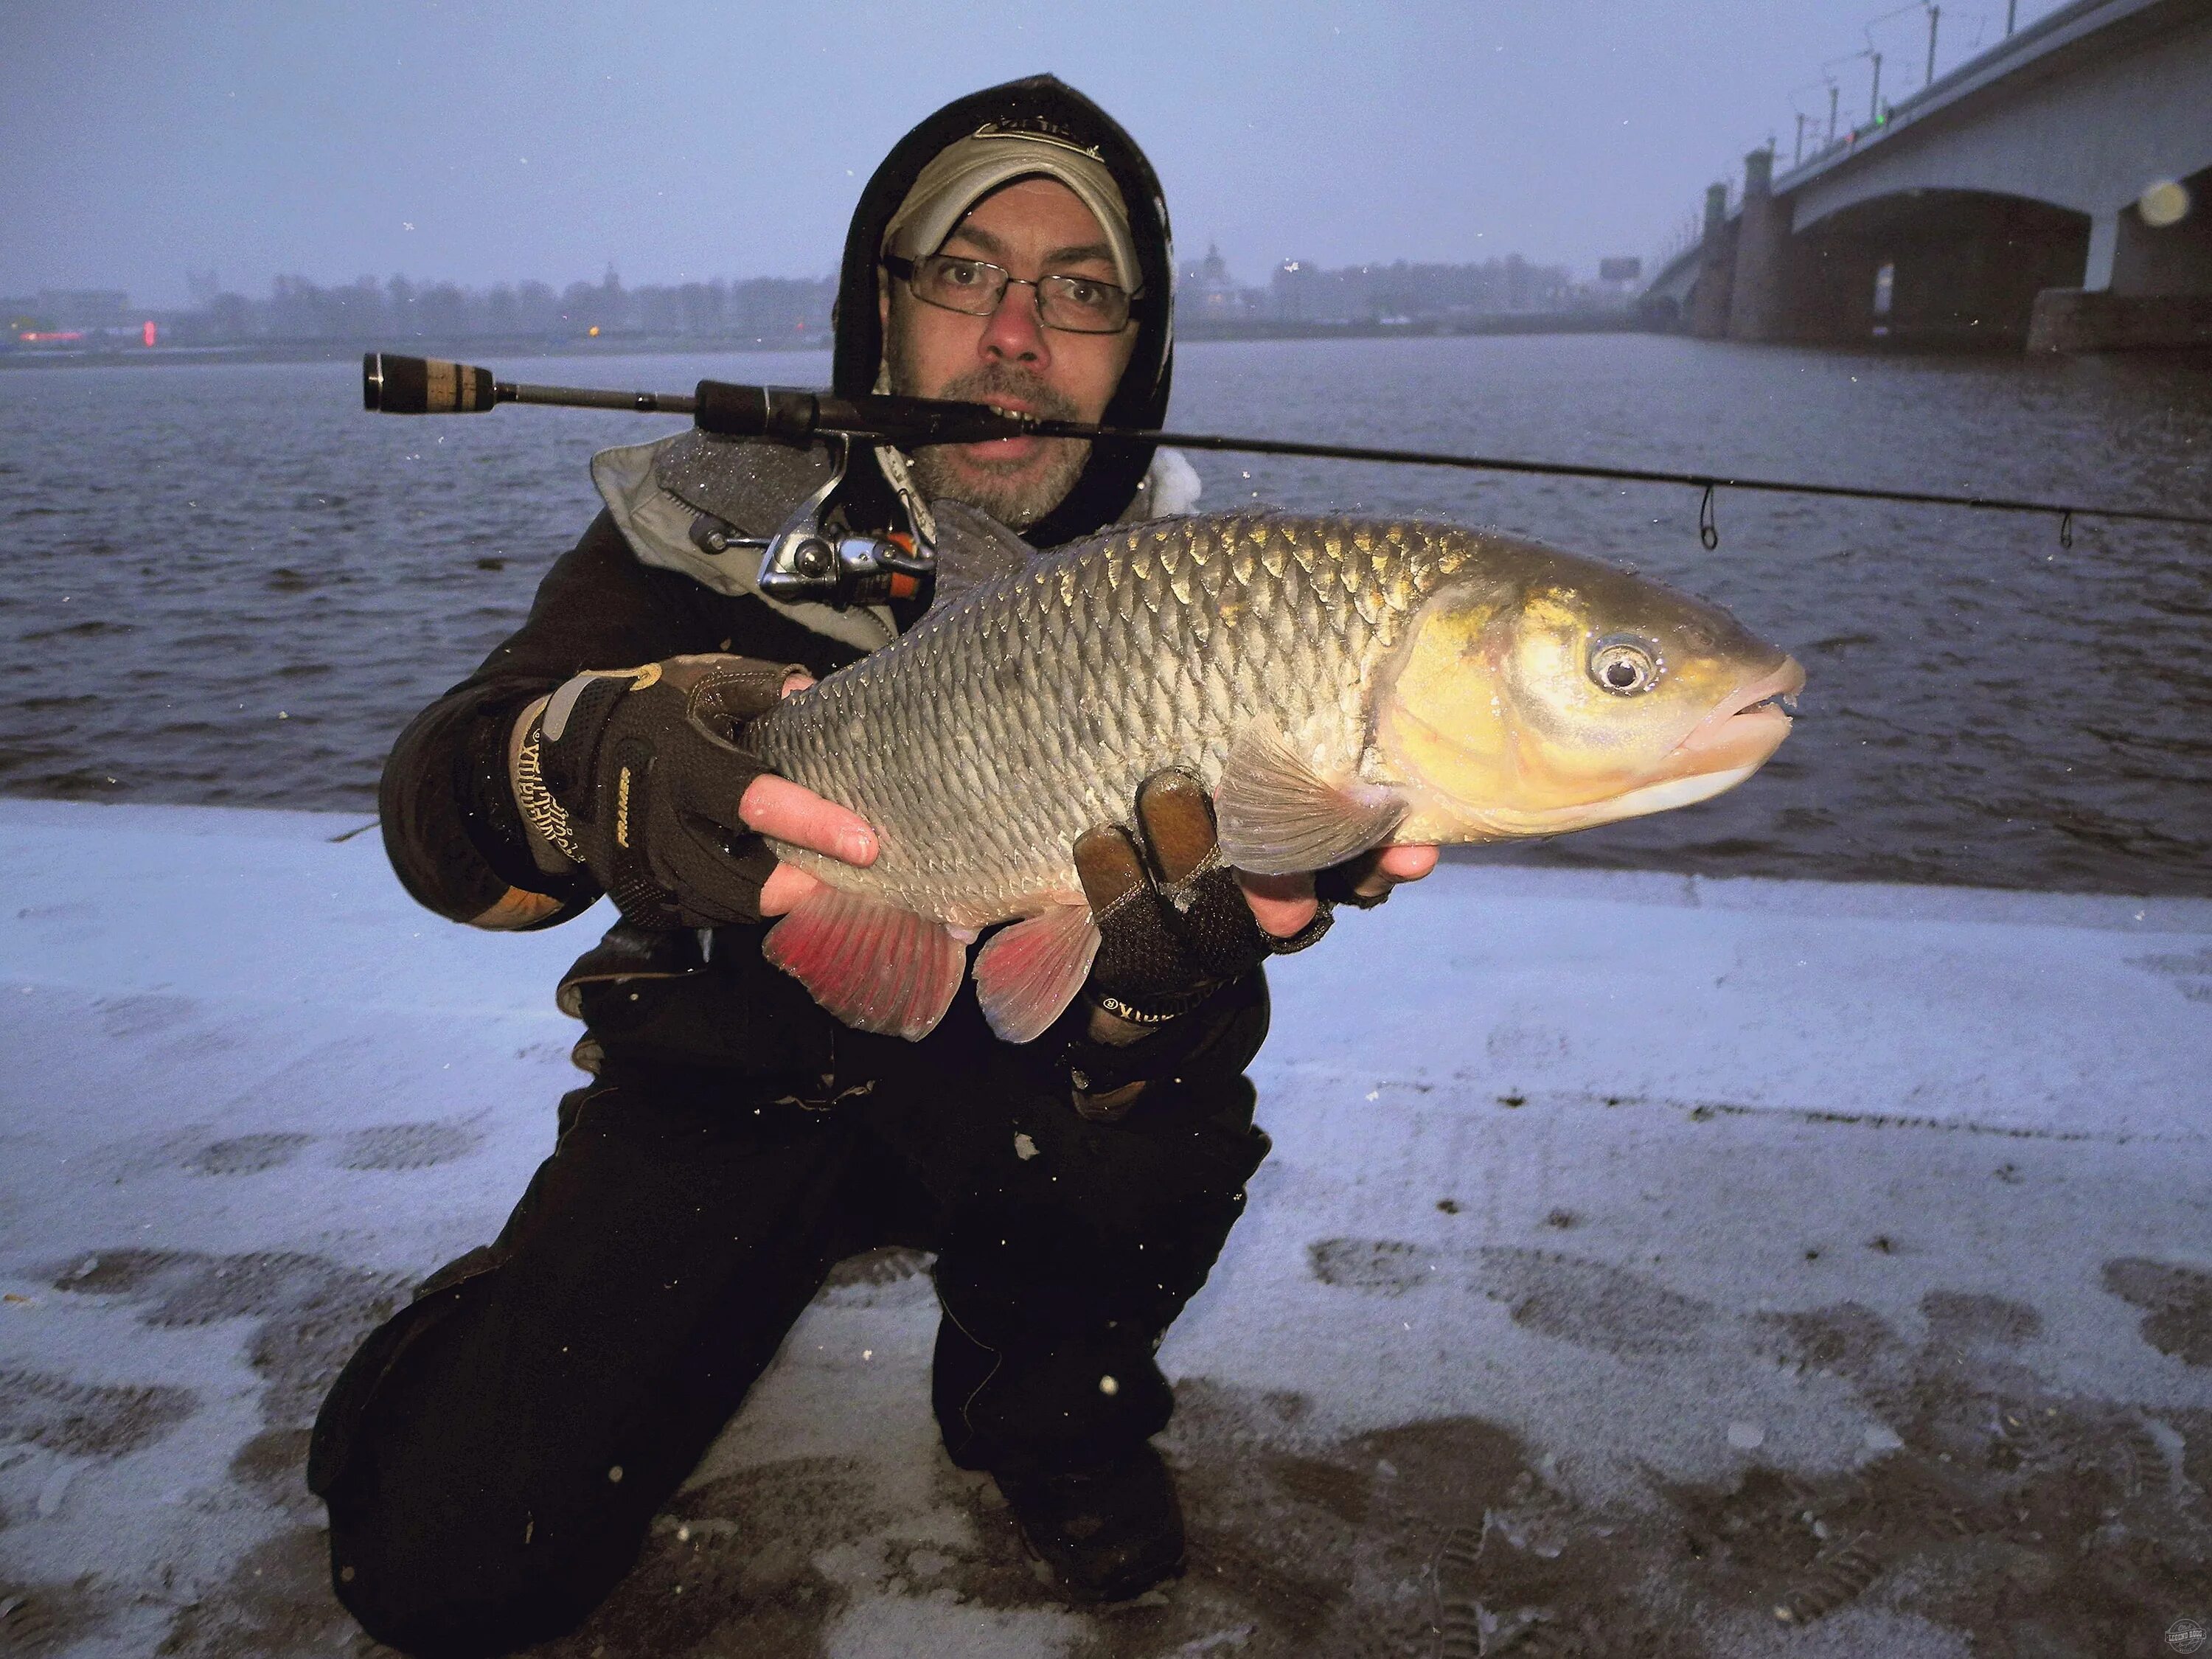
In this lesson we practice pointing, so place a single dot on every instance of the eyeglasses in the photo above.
(1074, 305)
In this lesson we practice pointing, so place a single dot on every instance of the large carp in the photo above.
(1338, 683)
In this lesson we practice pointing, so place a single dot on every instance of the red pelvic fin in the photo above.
(1027, 974)
(874, 966)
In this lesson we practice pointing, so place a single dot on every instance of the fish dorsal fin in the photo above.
(1028, 973)
(1279, 817)
(973, 548)
(874, 966)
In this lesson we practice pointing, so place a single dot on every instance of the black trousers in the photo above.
(494, 1454)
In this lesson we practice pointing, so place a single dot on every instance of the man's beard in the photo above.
(1021, 498)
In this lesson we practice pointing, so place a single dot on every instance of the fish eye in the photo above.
(1624, 666)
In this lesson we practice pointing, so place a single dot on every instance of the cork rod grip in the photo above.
(394, 384)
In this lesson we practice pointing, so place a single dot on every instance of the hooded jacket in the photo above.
(1103, 491)
(640, 587)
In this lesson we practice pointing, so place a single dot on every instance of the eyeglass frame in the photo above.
(907, 270)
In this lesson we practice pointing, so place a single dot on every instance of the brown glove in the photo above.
(637, 774)
(1174, 925)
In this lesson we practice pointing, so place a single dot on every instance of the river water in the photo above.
(226, 584)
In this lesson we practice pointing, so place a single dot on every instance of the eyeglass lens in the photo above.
(1078, 304)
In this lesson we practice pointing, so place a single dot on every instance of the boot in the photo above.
(1109, 1531)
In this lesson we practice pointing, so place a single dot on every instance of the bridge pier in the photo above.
(1757, 305)
(2147, 279)
(2104, 245)
(1713, 291)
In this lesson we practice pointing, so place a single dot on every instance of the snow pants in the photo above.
(494, 1454)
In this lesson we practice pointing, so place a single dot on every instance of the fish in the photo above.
(1338, 683)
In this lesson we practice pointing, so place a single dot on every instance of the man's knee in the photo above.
(430, 1585)
(446, 1537)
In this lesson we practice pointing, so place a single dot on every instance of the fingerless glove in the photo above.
(637, 775)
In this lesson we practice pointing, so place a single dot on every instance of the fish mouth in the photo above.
(1722, 750)
(1749, 725)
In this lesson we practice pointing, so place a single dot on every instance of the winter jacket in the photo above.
(642, 586)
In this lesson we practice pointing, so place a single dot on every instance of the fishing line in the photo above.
(2064, 512)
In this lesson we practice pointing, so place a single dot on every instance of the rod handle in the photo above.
(786, 413)
(394, 384)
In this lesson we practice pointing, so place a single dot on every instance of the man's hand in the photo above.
(1175, 923)
(1284, 904)
(642, 776)
(779, 808)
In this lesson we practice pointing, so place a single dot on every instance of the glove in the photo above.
(1174, 925)
(637, 774)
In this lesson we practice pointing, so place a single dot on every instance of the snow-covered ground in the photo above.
(1639, 1255)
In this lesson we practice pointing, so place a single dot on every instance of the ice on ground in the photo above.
(1645, 1265)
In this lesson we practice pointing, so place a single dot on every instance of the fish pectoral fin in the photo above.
(1279, 817)
(1028, 973)
(874, 966)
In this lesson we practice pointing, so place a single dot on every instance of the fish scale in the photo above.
(987, 739)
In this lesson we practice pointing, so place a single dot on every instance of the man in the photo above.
(494, 1454)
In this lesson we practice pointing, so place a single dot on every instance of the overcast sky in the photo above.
(681, 139)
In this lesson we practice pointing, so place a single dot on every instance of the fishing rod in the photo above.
(394, 384)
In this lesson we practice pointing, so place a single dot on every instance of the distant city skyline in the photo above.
(759, 310)
(202, 288)
(1209, 269)
(683, 140)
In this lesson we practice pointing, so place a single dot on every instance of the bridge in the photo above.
(2054, 191)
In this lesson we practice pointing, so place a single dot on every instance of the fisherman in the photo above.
(493, 1456)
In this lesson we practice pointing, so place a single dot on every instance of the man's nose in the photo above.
(1015, 332)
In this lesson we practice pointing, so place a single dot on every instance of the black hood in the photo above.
(1110, 480)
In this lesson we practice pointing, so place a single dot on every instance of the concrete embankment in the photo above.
(1639, 1255)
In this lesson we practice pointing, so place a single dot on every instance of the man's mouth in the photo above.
(1007, 451)
(1004, 452)
(1006, 455)
(1001, 453)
